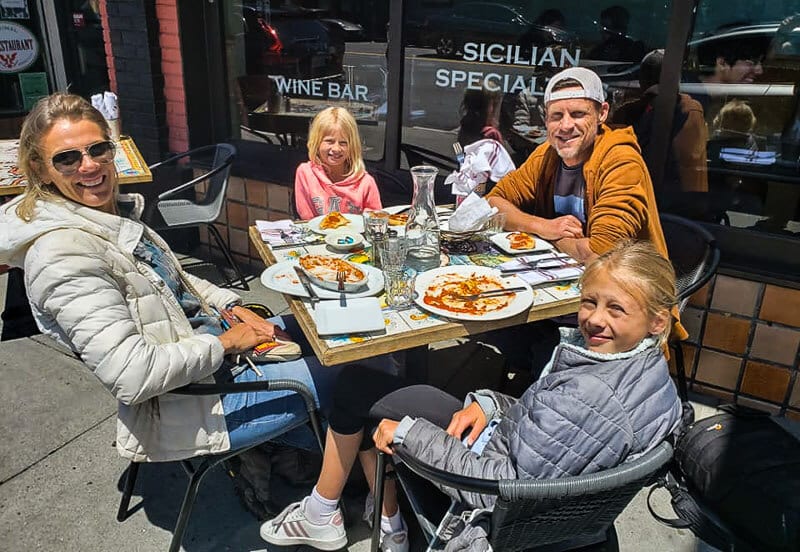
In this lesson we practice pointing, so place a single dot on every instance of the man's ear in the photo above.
(603, 113)
(659, 323)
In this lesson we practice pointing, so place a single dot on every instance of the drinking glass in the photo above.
(376, 226)
(495, 224)
(392, 251)
(399, 285)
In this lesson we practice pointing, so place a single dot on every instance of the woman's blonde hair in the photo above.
(39, 121)
(641, 271)
(330, 120)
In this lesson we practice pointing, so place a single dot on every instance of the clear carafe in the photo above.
(422, 227)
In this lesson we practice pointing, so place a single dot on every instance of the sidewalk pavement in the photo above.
(61, 477)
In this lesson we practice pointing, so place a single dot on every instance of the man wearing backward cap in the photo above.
(587, 187)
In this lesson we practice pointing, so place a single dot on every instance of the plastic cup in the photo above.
(399, 286)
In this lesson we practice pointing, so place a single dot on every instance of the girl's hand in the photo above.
(243, 337)
(384, 435)
(466, 418)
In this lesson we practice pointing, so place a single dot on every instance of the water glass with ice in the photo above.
(399, 286)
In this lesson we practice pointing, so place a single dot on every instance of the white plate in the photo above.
(281, 277)
(356, 225)
(360, 315)
(501, 240)
(522, 300)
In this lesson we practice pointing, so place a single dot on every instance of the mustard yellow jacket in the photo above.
(620, 202)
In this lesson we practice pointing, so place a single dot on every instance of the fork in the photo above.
(459, 151)
(340, 277)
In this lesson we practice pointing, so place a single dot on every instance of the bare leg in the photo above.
(340, 454)
(369, 459)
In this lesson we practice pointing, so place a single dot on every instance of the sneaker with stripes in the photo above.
(291, 527)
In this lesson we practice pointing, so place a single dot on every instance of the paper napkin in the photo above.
(483, 160)
(471, 215)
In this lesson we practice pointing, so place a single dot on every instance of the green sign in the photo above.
(33, 86)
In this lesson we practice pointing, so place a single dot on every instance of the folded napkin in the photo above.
(483, 160)
(277, 232)
(471, 215)
(110, 104)
(753, 157)
(547, 268)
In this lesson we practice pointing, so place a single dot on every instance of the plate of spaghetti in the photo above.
(336, 222)
(440, 291)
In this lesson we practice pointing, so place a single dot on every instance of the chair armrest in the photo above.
(515, 489)
(245, 387)
(182, 155)
(192, 182)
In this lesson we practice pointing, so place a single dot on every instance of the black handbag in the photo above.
(735, 483)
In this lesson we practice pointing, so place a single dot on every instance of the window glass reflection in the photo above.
(289, 60)
(742, 66)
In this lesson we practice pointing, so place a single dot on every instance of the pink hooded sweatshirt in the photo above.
(315, 194)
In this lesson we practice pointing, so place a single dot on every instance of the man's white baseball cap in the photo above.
(588, 79)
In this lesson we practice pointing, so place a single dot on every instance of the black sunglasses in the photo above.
(68, 162)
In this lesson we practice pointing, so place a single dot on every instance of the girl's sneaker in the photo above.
(390, 542)
(291, 527)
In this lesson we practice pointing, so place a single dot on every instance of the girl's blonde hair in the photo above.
(641, 272)
(39, 121)
(736, 116)
(328, 121)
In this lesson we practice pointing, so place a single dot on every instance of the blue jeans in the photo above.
(281, 416)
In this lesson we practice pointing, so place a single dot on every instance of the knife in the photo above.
(492, 293)
(535, 266)
(306, 282)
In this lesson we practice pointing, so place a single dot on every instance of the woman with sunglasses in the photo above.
(105, 285)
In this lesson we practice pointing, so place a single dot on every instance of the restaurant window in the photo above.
(742, 69)
(287, 61)
(475, 66)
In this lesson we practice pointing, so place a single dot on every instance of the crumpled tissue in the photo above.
(471, 215)
(106, 103)
(483, 160)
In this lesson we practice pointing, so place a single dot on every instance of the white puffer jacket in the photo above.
(89, 292)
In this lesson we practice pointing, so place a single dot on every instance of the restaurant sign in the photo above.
(18, 47)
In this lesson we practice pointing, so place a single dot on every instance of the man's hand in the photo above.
(384, 435)
(561, 227)
(466, 418)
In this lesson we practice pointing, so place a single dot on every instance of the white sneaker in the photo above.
(291, 528)
(390, 542)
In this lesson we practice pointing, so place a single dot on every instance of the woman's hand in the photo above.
(466, 418)
(243, 337)
(384, 435)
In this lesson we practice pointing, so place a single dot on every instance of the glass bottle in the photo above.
(422, 227)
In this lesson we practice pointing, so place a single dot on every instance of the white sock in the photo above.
(392, 524)
(318, 509)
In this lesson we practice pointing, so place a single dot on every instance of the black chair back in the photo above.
(693, 252)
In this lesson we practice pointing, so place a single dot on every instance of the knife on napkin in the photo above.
(306, 282)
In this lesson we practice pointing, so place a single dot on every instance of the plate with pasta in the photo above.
(336, 222)
(441, 292)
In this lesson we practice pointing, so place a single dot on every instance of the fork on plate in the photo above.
(341, 275)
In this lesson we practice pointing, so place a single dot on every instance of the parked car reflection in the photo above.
(298, 43)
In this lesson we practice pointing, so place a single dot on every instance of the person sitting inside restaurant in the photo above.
(606, 398)
(106, 286)
(334, 177)
(587, 187)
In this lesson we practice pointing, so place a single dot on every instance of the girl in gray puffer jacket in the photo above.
(606, 397)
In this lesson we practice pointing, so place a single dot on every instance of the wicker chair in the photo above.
(551, 514)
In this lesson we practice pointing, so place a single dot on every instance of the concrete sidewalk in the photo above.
(60, 475)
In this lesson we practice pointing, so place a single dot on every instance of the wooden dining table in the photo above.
(411, 328)
(131, 167)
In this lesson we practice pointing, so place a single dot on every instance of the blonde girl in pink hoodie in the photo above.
(334, 178)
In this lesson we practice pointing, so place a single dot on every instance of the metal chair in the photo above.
(550, 514)
(212, 184)
(196, 471)
(694, 255)
(416, 155)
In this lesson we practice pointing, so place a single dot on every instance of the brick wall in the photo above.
(744, 339)
(133, 30)
(247, 200)
(172, 69)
